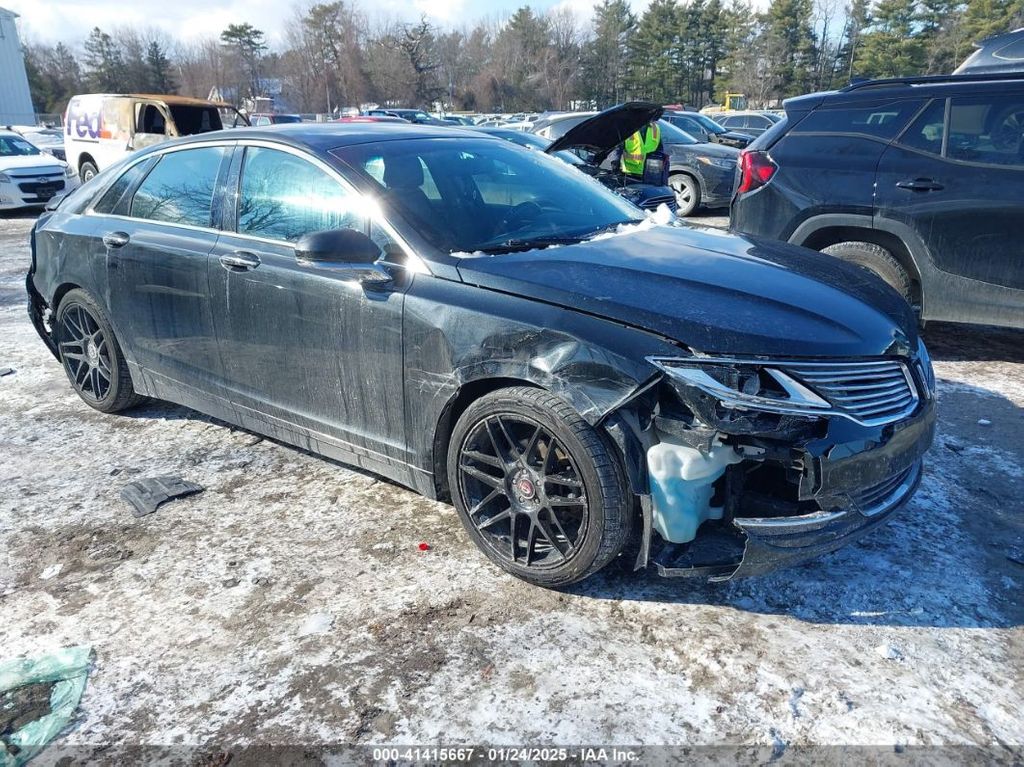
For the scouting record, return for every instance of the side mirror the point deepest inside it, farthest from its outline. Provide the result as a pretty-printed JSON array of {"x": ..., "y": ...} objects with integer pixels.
[{"x": 342, "y": 250}]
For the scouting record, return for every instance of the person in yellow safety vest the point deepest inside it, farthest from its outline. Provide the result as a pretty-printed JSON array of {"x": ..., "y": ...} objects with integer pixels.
[{"x": 635, "y": 149}]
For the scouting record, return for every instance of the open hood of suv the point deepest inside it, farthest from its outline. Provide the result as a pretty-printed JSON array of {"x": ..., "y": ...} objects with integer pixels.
[{"x": 608, "y": 129}]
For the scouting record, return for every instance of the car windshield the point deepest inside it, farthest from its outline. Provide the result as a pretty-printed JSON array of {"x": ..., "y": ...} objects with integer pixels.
[
  {"x": 16, "y": 146},
  {"x": 468, "y": 195},
  {"x": 670, "y": 134}
]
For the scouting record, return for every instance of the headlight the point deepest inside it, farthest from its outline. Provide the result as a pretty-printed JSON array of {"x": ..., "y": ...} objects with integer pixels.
[
  {"x": 69, "y": 171},
  {"x": 744, "y": 385},
  {"x": 718, "y": 162},
  {"x": 924, "y": 361},
  {"x": 4, "y": 178}
]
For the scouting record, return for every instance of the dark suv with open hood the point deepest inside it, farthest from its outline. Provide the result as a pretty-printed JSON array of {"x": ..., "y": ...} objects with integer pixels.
[
  {"x": 920, "y": 180},
  {"x": 481, "y": 322}
]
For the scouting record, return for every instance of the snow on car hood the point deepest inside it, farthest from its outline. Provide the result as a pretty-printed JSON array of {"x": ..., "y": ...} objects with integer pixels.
[{"x": 712, "y": 291}]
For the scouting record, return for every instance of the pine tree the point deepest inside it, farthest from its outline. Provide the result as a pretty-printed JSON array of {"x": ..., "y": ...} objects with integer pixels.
[
  {"x": 104, "y": 64},
  {"x": 893, "y": 46},
  {"x": 160, "y": 78},
  {"x": 790, "y": 46},
  {"x": 654, "y": 69},
  {"x": 606, "y": 58},
  {"x": 858, "y": 18}
]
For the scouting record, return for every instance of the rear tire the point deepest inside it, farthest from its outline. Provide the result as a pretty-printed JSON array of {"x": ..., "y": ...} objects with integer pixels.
[
  {"x": 876, "y": 259},
  {"x": 537, "y": 488},
  {"x": 91, "y": 356},
  {"x": 687, "y": 193},
  {"x": 87, "y": 171}
]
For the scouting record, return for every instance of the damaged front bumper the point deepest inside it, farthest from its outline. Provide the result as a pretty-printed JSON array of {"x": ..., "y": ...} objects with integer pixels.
[{"x": 791, "y": 489}]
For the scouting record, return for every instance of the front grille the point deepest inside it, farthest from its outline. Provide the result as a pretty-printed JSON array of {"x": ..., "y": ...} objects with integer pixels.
[
  {"x": 872, "y": 392},
  {"x": 880, "y": 494},
  {"x": 48, "y": 187},
  {"x": 652, "y": 203}
]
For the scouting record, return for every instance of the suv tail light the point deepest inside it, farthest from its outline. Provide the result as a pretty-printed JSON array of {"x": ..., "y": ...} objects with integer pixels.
[{"x": 756, "y": 170}]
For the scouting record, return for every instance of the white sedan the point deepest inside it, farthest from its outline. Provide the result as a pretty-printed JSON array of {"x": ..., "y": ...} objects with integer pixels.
[{"x": 28, "y": 176}]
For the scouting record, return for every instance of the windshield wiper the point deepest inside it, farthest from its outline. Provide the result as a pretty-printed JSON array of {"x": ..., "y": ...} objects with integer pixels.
[{"x": 515, "y": 245}]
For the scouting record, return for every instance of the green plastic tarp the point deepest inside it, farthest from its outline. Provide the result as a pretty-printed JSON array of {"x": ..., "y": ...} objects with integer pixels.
[{"x": 68, "y": 669}]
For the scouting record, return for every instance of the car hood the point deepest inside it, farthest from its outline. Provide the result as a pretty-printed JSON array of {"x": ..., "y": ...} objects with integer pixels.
[
  {"x": 608, "y": 129},
  {"x": 41, "y": 163},
  {"x": 712, "y": 291}
]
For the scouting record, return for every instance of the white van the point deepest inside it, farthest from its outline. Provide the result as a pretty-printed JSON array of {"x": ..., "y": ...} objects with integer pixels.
[{"x": 100, "y": 128}]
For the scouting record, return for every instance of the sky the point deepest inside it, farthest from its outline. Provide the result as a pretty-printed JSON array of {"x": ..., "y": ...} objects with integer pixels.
[{"x": 70, "y": 20}]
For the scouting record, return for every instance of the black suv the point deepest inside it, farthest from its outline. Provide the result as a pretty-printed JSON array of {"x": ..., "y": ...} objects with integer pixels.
[{"x": 920, "y": 180}]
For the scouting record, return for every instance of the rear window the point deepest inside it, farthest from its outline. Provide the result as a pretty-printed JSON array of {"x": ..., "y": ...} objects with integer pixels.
[
  {"x": 180, "y": 188},
  {"x": 879, "y": 120}
]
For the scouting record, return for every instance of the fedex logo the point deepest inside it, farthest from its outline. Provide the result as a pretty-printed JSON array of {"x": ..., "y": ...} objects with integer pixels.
[{"x": 83, "y": 118}]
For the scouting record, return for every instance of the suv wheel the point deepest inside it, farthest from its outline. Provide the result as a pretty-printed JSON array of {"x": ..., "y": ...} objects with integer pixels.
[
  {"x": 877, "y": 259},
  {"x": 538, "y": 490},
  {"x": 687, "y": 193},
  {"x": 91, "y": 356}
]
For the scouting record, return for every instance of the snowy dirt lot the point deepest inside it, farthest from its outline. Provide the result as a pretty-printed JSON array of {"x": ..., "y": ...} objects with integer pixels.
[{"x": 289, "y": 602}]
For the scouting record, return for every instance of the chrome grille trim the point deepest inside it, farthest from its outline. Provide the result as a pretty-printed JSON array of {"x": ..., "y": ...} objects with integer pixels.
[{"x": 871, "y": 392}]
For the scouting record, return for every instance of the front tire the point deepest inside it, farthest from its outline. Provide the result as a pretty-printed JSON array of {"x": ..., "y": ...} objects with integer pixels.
[
  {"x": 537, "y": 488},
  {"x": 87, "y": 171},
  {"x": 687, "y": 192},
  {"x": 91, "y": 356}
]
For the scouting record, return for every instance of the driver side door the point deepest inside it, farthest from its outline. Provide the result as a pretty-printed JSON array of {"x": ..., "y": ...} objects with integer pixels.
[{"x": 304, "y": 344}]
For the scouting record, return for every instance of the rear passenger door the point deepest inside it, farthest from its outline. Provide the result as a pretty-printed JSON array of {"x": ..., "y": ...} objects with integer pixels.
[
  {"x": 955, "y": 177},
  {"x": 158, "y": 244},
  {"x": 827, "y": 161}
]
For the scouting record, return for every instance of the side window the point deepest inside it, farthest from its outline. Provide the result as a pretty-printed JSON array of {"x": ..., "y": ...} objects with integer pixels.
[
  {"x": 180, "y": 188},
  {"x": 925, "y": 133},
  {"x": 284, "y": 197},
  {"x": 117, "y": 198},
  {"x": 880, "y": 120},
  {"x": 987, "y": 129}
]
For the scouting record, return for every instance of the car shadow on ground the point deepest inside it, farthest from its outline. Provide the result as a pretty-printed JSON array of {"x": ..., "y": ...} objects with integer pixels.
[{"x": 973, "y": 343}]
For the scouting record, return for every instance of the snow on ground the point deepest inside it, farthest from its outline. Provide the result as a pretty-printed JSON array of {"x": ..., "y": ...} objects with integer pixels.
[{"x": 289, "y": 602}]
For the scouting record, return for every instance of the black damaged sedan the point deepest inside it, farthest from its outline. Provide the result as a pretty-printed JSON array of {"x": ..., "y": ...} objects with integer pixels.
[{"x": 481, "y": 322}]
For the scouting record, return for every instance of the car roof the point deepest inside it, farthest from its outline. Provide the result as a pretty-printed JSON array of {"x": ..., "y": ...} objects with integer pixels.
[
  {"x": 926, "y": 86},
  {"x": 168, "y": 98},
  {"x": 323, "y": 137}
]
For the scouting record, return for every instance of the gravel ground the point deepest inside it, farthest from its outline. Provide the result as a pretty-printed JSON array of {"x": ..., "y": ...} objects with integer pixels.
[{"x": 290, "y": 602}]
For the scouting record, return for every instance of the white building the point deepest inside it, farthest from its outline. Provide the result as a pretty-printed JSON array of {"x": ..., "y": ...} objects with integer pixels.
[{"x": 15, "y": 101}]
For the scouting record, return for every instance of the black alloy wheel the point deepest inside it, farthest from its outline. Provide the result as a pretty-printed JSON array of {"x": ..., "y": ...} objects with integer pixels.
[
  {"x": 525, "y": 493},
  {"x": 91, "y": 356},
  {"x": 85, "y": 352},
  {"x": 538, "y": 489}
]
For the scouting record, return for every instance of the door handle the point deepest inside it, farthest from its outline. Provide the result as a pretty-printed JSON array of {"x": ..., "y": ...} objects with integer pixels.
[
  {"x": 920, "y": 185},
  {"x": 239, "y": 261},
  {"x": 115, "y": 239}
]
